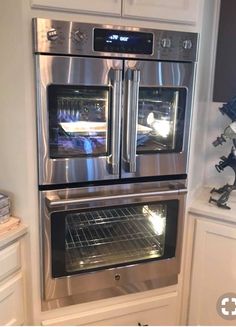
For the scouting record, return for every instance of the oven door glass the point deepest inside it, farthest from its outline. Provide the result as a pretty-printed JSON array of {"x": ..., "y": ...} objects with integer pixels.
[
  {"x": 111, "y": 237},
  {"x": 78, "y": 120},
  {"x": 161, "y": 112}
]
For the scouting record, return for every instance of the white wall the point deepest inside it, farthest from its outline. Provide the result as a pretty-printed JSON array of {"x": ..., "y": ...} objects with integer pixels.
[
  {"x": 18, "y": 166},
  {"x": 202, "y": 104}
]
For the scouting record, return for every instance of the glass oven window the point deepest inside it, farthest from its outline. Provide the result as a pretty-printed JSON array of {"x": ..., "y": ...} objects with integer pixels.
[
  {"x": 78, "y": 120},
  {"x": 115, "y": 236},
  {"x": 161, "y": 113}
]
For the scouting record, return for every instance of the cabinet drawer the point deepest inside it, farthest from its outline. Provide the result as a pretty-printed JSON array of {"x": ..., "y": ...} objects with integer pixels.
[
  {"x": 9, "y": 260},
  {"x": 11, "y": 302},
  {"x": 163, "y": 313},
  {"x": 158, "y": 310}
]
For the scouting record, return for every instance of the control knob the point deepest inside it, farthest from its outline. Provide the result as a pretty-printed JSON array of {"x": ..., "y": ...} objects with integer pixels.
[
  {"x": 187, "y": 44},
  {"x": 166, "y": 43},
  {"x": 79, "y": 36},
  {"x": 52, "y": 35}
]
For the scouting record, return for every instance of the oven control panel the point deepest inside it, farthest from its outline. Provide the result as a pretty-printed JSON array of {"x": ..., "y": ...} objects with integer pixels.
[{"x": 72, "y": 38}]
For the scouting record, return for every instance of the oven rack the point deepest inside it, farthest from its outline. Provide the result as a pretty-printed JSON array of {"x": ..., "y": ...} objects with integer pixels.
[
  {"x": 111, "y": 236},
  {"x": 112, "y": 215}
]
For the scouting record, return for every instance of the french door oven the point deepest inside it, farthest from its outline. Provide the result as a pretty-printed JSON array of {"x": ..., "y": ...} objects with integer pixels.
[{"x": 104, "y": 118}]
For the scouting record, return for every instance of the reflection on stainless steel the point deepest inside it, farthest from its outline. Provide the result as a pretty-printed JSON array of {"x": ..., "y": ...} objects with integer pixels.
[{"x": 110, "y": 236}]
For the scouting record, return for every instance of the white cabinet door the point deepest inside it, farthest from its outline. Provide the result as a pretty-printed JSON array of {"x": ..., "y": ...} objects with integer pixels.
[
  {"x": 84, "y": 6},
  {"x": 179, "y": 11},
  {"x": 159, "y": 310},
  {"x": 213, "y": 273},
  {"x": 11, "y": 302}
]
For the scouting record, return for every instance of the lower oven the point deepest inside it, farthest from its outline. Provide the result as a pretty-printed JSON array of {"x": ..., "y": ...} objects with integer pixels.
[{"x": 105, "y": 241}]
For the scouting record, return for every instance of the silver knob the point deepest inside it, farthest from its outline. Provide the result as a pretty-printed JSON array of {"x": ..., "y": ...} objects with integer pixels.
[
  {"x": 79, "y": 36},
  {"x": 187, "y": 44},
  {"x": 52, "y": 35},
  {"x": 166, "y": 43}
]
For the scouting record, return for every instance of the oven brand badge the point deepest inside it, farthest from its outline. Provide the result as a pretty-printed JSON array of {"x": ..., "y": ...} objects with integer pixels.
[{"x": 226, "y": 306}]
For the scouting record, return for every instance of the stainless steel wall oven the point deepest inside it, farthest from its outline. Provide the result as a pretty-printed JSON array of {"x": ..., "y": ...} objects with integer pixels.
[
  {"x": 113, "y": 112},
  {"x": 103, "y": 241}
]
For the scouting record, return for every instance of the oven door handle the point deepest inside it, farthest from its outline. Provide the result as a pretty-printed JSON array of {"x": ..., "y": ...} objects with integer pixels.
[
  {"x": 113, "y": 159},
  {"x": 63, "y": 202},
  {"x": 131, "y": 119}
]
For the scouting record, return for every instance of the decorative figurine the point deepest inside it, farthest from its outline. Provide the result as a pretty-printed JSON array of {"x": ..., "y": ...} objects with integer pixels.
[{"x": 229, "y": 133}]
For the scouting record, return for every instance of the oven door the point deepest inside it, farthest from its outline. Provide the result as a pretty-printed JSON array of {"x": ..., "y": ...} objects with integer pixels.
[
  {"x": 156, "y": 118},
  {"x": 79, "y": 104},
  {"x": 106, "y": 241}
]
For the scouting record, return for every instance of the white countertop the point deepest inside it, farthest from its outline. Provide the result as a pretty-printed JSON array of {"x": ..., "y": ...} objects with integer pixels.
[
  {"x": 201, "y": 206},
  {"x": 13, "y": 234}
]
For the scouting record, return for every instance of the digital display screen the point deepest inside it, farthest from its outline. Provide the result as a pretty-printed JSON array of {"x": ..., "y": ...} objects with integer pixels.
[{"x": 106, "y": 40}]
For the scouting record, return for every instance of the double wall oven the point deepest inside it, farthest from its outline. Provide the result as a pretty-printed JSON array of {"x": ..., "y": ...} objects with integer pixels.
[{"x": 113, "y": 113}]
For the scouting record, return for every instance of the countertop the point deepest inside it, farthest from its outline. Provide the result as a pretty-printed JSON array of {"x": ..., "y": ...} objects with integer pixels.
[
  {"x": 202, "y": 207},
  {"x": 13, "y": 234}
]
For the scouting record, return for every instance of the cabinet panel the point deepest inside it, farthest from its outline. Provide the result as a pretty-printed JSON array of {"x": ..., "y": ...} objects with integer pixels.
[
  {"x": 164, "y": 314},
  {"x": 11, "y": 302},
  {"x": 213, "y": 271},
  {"x": 9, "y": 260},
  {"x": 159, "y": 310},
  {"x": 179, "y": 11},
  {"x": 90, "y": 6}
]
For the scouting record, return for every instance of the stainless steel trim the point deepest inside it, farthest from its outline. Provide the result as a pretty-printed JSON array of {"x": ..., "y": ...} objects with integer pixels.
[
  {"x": 55, "y": 203},
  {"x": 113, "y": 159},
  {"x": 131, "y": 118}
]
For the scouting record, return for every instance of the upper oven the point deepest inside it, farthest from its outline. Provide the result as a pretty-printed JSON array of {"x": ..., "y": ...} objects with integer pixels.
[{"x": 112, "y": 102}]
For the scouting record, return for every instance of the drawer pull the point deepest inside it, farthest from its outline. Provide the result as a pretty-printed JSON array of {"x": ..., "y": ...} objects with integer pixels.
[{"x": 139, "y": 324}]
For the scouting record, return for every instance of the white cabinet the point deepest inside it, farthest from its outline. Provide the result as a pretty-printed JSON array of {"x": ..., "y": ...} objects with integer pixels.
[
  {"x": 213, "y": 271},
  {"x": 11, "y": 302},
  {"x": 106, "y": 7},
  {"x": 176, "y": 11},
  {"x": 12, "y": 307},
  {"x": 156, "y": 310}
]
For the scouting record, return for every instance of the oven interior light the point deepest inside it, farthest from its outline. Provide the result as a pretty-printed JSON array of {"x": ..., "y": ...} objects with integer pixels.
[
  {"x": 160, "y": 126},
  {"x": 156, "y": 219}
]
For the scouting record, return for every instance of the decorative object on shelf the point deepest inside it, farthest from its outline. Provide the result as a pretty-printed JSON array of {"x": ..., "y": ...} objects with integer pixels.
[
  {"x": 228, "y": 109},
  {"x": 4, "y": 208}
]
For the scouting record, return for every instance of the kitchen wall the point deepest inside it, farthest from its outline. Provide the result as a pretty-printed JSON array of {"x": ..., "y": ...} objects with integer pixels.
[{"x": 202, "y": 114}]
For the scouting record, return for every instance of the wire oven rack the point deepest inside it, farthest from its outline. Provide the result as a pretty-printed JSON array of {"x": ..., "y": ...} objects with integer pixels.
[{"x": 110, "y": 236}]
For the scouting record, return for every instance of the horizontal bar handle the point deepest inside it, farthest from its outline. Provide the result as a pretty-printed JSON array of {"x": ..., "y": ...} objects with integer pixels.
[{"x": 54, "y": 203}]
